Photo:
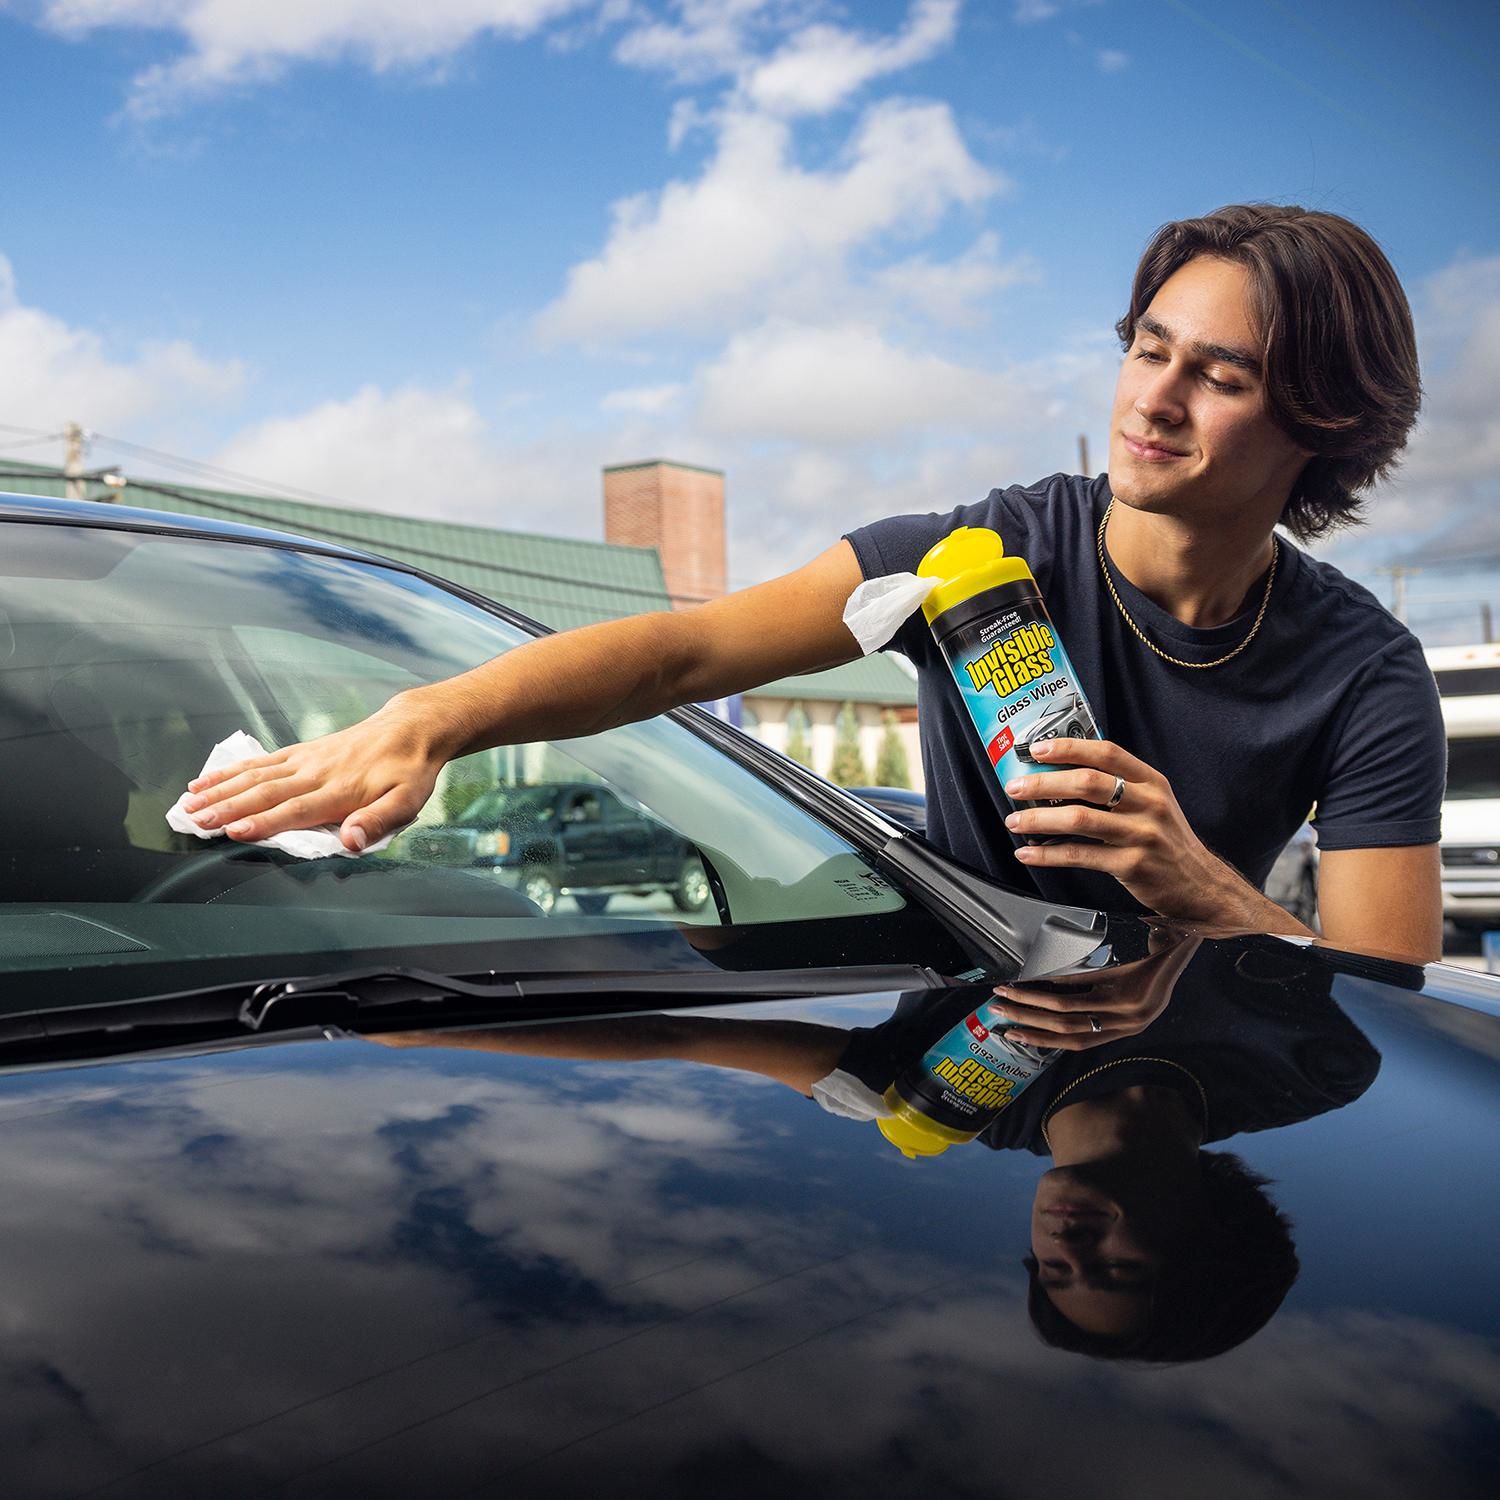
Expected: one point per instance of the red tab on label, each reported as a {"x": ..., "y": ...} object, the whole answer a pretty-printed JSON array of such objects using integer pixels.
[
  {"x": 977, "y": 1029},
  {"x": 1000, "y": 745}
]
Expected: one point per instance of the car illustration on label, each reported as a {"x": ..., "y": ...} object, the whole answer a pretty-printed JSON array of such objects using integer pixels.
[{"x": 1068, "y": 718}]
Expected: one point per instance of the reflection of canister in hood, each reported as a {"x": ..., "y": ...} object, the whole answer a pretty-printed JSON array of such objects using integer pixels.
[
  {"x": 960, "y": 1084},
  {"x": 1011, "y": 670}
]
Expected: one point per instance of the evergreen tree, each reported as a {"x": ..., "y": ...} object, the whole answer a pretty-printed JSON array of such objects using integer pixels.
[
  {"x": 848, "y": 767},
  {"x": 891, "y": 768},
  {"x": 797, "y": 746}
]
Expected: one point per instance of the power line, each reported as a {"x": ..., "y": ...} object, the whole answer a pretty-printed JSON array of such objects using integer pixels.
[{"x": 193, "y": 465}]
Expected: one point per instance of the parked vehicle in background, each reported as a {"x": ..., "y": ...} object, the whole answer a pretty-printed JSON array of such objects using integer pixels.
[
  {"x": 567, "y": 838},
  {"x": 1468, "y": 679},
  {"x": 1293, "y": 881},
  {"x": 899, "y": 803}
]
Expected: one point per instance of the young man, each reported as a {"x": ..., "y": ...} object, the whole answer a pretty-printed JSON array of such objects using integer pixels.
[{"x": 1270, "y": 376}]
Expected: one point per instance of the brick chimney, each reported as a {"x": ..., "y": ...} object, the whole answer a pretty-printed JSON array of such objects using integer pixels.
[{"x": 679, "y": 510}]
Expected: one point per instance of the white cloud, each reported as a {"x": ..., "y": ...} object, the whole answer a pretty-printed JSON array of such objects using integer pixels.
[
  {"x": 953, "y": 292},
  {"x": 756, "y": 227},
  {"x": 52, "y": 372},
  {"x": 649, "y": 400},
  {"x": 1111, "y": 60},
  {"x": 711, "y": 40},
  {"x": 1028, "y": 12},
  {"x": 839, "y": 384},
  {"x": 419, "y": 451},
  {"x": 821, "y": 66},
  {"x": 237, "y": 42}
]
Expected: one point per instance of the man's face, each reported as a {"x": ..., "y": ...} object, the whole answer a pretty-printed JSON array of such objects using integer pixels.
[
  {"x": 1189, "y": 435},
  {"x": 1095, "y": 1266}
]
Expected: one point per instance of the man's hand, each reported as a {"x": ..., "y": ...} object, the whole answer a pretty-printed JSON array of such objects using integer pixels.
[
  {"x": 1144, "y": 841},
  {"x": 1077, "y": 1011},
  {"x": 370, "y": 779}
]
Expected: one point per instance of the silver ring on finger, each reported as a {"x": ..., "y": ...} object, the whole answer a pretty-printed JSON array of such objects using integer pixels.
[
  {"x": 1116, "y": 794},
  {"x": 1094, "y": 1025}
]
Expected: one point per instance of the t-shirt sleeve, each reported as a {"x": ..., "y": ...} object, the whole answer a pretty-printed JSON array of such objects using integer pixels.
[
  {"x": 1388, "y": 760},
  {"x": 899, "y": 543}
]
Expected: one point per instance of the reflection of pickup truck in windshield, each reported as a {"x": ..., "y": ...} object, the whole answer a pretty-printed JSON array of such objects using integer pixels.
[
  {"x": 1067, "y": 717},
  {"x": 574, "y": 838}
]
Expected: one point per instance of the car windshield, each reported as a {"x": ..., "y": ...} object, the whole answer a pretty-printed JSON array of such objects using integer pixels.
[{"x": 126, "y": 656}]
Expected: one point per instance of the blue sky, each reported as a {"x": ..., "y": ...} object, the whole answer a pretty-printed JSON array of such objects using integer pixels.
[{"x": 454, "y": 257}]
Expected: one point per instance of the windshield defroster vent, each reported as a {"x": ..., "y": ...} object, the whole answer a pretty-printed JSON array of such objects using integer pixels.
[{"x": 59, "y": 934}]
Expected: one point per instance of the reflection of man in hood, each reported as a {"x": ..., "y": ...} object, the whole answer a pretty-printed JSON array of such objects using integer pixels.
[{"x": 1144, "y": 1245}]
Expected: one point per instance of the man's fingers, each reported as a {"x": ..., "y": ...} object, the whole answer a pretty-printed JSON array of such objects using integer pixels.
[
  {"x": 311, "y": 811},
  {"x": 224, "y": 773},
  {"x": 1057, "y": 1023},
  {"x": 1085, "y": 992},
  {"x": 257, "y": 798},
  {"x": 1098, "y": 755},
  {"x": 383, "y": 816},
  {"x": 1088, "y": 786},
  {"x": 216, "y": 797},
  {"x": 1076, "y": 821}
]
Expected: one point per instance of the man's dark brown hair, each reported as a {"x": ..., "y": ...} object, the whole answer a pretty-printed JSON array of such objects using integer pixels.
[{"x": 1338, "y": 354}]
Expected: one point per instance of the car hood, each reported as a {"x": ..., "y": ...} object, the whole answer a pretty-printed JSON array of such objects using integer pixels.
[{"x": 342, "y": 1268}]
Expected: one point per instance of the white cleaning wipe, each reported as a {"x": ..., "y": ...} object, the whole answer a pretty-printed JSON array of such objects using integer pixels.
[
  {"x": 878, "y": 606},
  {"x": 842, "y": 1094},
  {"x": 302, "y": 843}
]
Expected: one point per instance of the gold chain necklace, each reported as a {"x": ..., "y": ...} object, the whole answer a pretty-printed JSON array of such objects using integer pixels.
[
  {"x": 1104, "y": 1068},
  {"x": 1196, "y": 666}
]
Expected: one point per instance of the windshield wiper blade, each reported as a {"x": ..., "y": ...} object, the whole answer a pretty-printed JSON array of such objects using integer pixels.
[
  {"x": 375, "y": 989},
  {"x": 413, "y": 998}
]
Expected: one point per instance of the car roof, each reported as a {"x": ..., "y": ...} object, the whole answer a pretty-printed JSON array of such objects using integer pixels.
[{"x": 52, "y": 510}]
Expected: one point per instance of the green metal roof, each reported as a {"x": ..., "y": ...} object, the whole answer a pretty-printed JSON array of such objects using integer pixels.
[
  {"x": 872, "y": 679},
  {"x": 561, "y": 581}
]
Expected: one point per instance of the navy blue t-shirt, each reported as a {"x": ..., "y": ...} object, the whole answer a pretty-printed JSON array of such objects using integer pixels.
[{"x": 1332, "y": 704}]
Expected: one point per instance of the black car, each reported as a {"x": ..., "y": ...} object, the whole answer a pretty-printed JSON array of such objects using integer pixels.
[
  {"x": 567, "y": 838},
  {"x": 367, "y": 1177}
]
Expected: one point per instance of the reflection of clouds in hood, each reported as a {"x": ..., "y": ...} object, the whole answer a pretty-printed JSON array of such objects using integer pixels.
[
  {"x": 1344, "y": 1404},
  {"x": 455, "y": 1265},
  {"x": 293, "y": 1231}
]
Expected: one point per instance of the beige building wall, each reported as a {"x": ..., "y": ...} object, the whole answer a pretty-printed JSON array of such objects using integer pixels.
[{"x": 771, "y": 729}]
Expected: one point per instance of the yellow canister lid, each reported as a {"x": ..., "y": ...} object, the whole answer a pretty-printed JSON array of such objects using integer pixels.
[
  {"x": 913, "y": 1134},
  {"x": 969, "y": 560}
]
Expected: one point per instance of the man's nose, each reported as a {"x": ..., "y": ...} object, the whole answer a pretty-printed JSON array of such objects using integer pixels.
[
  {"x": 1160, "y": 398},
  {"x": 1080, "y": 1232}
]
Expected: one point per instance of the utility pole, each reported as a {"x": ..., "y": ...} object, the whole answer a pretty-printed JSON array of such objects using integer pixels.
[
  {"x": 1399, "y": 574},
  {"x": 1083, "y": 456},
  {"x": 77, "y": 444},
  {"x": 1486, "y": 623}
]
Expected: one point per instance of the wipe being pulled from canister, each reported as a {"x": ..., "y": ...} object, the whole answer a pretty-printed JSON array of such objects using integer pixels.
[{"x": 987, "y": 616}]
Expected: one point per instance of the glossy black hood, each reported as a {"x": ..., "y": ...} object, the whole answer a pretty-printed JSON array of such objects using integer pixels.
[{"x": 334, "y": 1268}]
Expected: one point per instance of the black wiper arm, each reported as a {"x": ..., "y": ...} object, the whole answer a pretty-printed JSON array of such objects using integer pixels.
[{"x": 384, "y": 989}]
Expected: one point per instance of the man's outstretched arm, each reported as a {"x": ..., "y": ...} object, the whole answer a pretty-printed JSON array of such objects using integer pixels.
[{"x": 375, "y": 775}]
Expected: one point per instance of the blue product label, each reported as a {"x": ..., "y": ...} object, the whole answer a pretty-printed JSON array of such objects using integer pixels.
[
  {"x": 1019, "y": 688},
  {"x": 978, "y": 1070}
]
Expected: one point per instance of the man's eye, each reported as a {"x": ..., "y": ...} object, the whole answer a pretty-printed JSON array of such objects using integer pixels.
[{"x": 1222, "y": 385}]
